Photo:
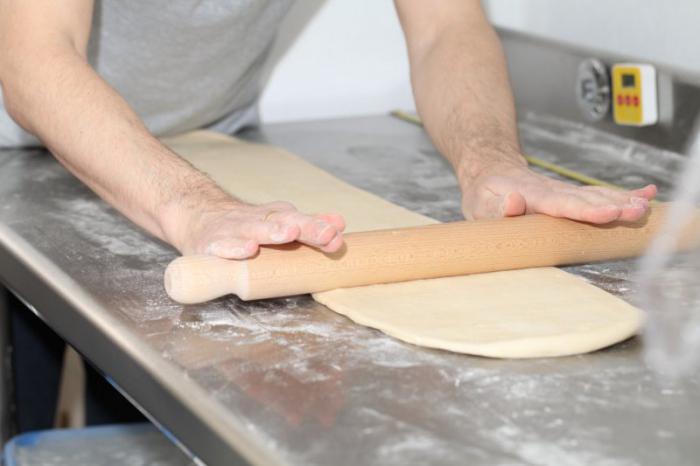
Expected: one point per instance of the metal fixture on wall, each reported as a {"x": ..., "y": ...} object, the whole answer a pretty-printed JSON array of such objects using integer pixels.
[
  {"x": 593, "y": 89},
  {"x": 544, "y": 76}
]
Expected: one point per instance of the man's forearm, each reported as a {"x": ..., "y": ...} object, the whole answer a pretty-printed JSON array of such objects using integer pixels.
[
  {"x": 463, "y": 95},
  {"x": 56, "y": 95}
]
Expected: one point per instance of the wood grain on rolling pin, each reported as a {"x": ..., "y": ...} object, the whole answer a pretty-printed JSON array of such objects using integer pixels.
[{"x": 414, "y": 253}]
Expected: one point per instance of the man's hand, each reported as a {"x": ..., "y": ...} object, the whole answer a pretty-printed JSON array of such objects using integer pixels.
[
  {"x": 234, "y": 230},
  {"x": 463, "y": 96},
  {"x": 52, "y": 91},
  {"x": 512, "y": 189}
]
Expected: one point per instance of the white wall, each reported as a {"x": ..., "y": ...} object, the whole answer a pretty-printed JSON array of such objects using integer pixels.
[
  {"x": 662, "y": 31},
  {"x": 350, "y": 59},
  {"x": 347, "y": 57}
]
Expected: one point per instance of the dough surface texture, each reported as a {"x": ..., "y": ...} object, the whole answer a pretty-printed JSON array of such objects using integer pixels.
[{"x": 514, "y": 314}]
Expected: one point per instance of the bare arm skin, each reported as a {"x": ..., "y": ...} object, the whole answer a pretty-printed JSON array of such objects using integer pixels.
[
  {"x": 463, "y": 96},
  {"x": 52, "y": 92}
]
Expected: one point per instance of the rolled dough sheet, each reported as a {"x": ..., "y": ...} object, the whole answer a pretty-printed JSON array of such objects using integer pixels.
[{"x": 514, "y": 314}]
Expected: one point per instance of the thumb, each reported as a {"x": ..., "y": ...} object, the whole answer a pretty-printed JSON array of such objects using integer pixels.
[{"x": 492, "y": 205}]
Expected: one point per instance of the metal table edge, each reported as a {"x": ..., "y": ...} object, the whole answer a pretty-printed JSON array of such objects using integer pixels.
[{"x": 136, "y": 369}]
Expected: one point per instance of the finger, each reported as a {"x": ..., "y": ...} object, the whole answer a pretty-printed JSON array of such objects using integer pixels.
[
  {"x": 614, "y": 195},
  {"x": 635, "y": 209},
  {"x": 336, "y": 220},
  {"x": 575, "y": 207},
  {"x": 315, "y": 231},
  {"x": 269, "y": 232},
  {"x": 233, "y": 248},
  {"x": 648, "y": 192},
  {"x": 492, "y": 205},
  {"x": 601, "y": 200},
  {"x": 600, "y": 197},
  {"x": 513, "y": 205},
  {"x": 632, "y": 207},
  {"x": 334, "y": 245}
]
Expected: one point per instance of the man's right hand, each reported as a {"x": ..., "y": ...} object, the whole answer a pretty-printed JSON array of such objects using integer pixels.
[
  {"x": 50, "y": 90},
  {"x": 235, "y": 230}
]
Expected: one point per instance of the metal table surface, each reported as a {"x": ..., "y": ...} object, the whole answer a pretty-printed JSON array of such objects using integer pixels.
[{"x": 287, "y": 381}]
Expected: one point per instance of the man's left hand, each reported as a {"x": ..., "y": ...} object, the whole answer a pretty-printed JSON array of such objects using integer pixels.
[{"x": 508, "y": 190}]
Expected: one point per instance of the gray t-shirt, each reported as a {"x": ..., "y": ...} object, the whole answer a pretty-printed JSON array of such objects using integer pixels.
[{"x": 182, "y": 64}]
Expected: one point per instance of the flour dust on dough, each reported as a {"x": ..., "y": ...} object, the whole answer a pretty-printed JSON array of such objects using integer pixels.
[{"x": 515, "y": 314}]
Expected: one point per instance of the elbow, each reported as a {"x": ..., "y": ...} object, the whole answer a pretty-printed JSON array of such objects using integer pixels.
[
  {"x": 9, "y": 79},
  {"x": 8, "y": 100},
  {"x": 11, "y": 101},
  {"x": 23, "y": 78},
  {"x": 30, "y": 66}
]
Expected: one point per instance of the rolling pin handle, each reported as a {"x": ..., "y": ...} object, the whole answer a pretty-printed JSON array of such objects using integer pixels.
[{"x": 199, "y": 278}]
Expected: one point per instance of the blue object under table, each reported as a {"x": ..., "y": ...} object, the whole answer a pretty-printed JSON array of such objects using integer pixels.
[{"x": 132, "y": 444}]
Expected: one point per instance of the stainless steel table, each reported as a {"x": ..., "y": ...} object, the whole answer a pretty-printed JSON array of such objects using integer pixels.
[{"x": 287, "y": 381}]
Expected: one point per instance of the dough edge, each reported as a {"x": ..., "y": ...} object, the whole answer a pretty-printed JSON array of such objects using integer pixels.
[{"x": 566, "y": 344}]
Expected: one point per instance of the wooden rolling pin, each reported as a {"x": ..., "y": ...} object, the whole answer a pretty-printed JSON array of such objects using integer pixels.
[{"x": 432, "y": 251}]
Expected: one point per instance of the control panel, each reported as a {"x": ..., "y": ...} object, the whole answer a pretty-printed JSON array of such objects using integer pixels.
[{"x": 634, "y": 94}]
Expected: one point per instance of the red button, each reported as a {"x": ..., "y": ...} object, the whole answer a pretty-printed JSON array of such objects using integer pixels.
[
  {"x": 635, "y": 101},
  {"x": 620, "y": 100},
  {"x": 628, "y": 100}
]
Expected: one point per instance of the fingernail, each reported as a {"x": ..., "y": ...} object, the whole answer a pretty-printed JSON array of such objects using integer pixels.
[{"x": 238, "y": 252}]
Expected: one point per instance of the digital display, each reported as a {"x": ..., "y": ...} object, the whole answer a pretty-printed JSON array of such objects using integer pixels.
[{"x": 629, "y": 80}]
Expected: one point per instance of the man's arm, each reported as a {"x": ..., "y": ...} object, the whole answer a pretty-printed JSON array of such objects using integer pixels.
[
  {"x": 52, "y": 92},
  {"x": 463, "y": 96}
]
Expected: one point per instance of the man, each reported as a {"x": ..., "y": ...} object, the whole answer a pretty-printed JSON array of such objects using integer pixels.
[
  {"x": 96, "y": 83},
  {"x": 175, "y": 66}
]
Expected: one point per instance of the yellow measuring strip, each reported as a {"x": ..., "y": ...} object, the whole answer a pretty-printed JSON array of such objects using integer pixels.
[{"x": 571, "y": 174}]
